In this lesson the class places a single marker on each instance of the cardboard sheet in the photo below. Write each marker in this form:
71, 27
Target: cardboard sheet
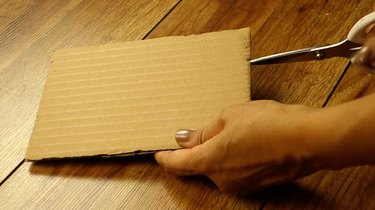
131, 97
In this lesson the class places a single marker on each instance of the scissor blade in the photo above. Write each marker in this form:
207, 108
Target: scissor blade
342, 49
286, 57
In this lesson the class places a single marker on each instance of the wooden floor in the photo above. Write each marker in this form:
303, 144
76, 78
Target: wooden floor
31, 29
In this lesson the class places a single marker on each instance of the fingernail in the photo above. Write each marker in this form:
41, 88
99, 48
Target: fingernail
183, 135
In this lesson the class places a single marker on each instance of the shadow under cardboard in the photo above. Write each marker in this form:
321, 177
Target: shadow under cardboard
93, 167
145, 168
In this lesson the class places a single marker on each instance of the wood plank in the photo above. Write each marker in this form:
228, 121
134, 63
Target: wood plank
194, 17
306, 20
131, 183
297, 25
36, 28
140, 183
10, 10
350, 188
355, 84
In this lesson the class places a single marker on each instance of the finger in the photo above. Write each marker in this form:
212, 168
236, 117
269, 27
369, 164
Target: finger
188, 138
366, 56
182, 162
370, 45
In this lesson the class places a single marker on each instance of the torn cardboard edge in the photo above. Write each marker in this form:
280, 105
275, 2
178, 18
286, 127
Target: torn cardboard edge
78, 116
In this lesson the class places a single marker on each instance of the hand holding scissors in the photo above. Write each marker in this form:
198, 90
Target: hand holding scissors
347, 48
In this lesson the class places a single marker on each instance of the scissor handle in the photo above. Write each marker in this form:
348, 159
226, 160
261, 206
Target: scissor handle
358, 33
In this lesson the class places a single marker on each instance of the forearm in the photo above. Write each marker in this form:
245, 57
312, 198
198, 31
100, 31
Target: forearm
350, 128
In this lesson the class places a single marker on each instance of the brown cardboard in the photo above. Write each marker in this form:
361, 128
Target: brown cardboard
131, 97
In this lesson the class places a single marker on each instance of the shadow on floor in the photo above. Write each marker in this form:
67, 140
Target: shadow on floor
182, 190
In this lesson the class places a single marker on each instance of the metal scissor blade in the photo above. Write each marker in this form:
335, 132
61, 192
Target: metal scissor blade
341, 49
286, 57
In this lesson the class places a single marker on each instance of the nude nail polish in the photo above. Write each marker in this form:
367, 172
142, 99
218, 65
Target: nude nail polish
183, 135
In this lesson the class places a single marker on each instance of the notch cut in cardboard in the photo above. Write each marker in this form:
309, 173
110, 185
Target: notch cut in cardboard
132, 97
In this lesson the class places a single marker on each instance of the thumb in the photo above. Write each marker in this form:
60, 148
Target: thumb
180, 162
188, 138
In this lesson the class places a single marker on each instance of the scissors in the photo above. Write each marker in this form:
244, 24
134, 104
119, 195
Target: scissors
346, 48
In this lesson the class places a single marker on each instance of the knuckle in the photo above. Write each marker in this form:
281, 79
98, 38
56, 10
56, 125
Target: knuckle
270, 103
199, 136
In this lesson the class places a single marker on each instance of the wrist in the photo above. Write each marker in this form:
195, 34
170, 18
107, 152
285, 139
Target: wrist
325, 131
313, 138
338, 138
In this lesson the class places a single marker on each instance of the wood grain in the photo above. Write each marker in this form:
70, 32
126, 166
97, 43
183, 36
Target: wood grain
296, 25
31, 30
131, 183
150, 186
355, 84
139, 183
194, 17
350, 188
